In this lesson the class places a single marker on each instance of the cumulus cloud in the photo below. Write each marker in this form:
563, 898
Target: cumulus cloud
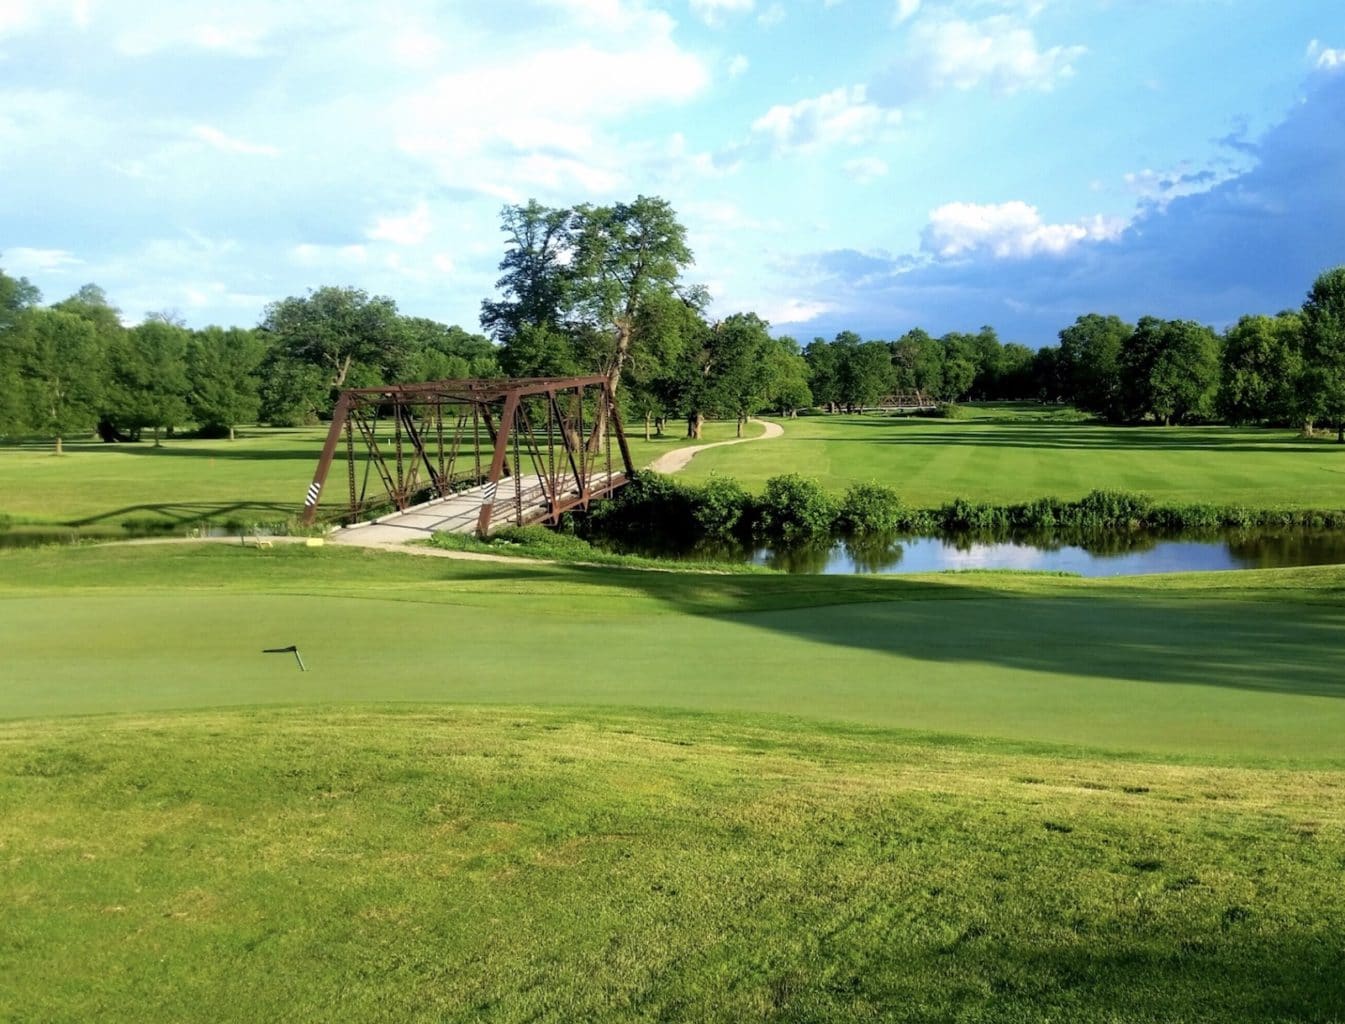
407, 229
840, 116
1012, 230
998, 52
21, 260
738, 66
906, 10
1324, 58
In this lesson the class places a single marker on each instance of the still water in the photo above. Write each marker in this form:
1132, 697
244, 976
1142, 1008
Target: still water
1108, 555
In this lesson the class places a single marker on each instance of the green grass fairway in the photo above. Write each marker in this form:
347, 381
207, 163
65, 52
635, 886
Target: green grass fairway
1243, 666
522, 792
458, 864
261, 477
1004, 458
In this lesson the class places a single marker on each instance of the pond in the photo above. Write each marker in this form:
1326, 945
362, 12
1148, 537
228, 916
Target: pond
1130, 554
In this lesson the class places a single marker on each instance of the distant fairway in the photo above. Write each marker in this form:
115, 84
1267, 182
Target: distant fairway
261, 477
1002, 458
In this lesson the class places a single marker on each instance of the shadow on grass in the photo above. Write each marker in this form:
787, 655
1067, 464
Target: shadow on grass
190, 513
1270, 643
1220, 976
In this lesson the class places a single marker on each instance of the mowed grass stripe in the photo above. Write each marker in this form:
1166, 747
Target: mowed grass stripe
1000, 459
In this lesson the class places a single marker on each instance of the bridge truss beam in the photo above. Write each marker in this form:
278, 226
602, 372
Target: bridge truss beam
529, 449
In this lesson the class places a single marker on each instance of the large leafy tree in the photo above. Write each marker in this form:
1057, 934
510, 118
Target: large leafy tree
61, 372
344, 332
223, 387
738, 346
1090, 352
441, 352
151, 375
624, 256
786, 376
1169, 370
866, 373
667, 324
1262, 369
91, 304
16, 295
917, 363
535, 281
824, 379
1324, 350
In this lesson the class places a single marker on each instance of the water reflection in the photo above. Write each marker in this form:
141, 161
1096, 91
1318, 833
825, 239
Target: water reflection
1099, 554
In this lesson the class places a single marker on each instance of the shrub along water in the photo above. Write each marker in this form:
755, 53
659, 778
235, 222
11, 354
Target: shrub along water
657, 509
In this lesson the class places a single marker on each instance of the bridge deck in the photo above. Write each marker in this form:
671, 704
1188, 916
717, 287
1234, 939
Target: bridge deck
460, 512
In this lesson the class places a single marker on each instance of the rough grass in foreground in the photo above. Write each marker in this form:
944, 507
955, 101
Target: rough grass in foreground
523, 864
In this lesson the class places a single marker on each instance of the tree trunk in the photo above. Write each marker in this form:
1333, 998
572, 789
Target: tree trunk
59, 449
694, 423
156, 436
741, 420
231, 432
658, 426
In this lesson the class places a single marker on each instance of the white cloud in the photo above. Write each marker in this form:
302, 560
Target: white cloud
738, 66
713, 11
865, 169
1012, 230
408, 229
1324, 58
20, 260
228, 144
959, 54
778, 312
772, 15
1159, 188
906, 9
840, 116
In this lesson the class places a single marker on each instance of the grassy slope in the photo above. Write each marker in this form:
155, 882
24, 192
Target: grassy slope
431, 864
1001, 459
1242, 666
261, 477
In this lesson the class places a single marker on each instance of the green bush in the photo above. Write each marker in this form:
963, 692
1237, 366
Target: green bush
871, 508
720, 506
794, 508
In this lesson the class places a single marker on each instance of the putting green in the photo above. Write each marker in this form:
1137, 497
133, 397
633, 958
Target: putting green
1241, 666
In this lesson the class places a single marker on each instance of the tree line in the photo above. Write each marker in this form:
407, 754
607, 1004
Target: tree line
72, 368
601, 289
1287, 369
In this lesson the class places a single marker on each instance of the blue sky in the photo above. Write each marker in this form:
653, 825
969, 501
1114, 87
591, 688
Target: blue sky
838, 164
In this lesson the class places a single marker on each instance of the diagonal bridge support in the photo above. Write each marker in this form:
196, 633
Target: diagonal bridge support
472, 456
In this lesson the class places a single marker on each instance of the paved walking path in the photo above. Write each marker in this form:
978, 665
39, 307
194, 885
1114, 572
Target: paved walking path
679, 458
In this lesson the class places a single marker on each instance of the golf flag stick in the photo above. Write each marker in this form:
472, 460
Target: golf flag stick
286, 650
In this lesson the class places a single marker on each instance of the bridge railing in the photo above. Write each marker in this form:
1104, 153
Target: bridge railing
531, 448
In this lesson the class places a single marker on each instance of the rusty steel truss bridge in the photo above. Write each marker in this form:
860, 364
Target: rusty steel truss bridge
473, 456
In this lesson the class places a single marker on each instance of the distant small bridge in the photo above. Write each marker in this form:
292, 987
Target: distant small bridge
909, 401
472, 456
